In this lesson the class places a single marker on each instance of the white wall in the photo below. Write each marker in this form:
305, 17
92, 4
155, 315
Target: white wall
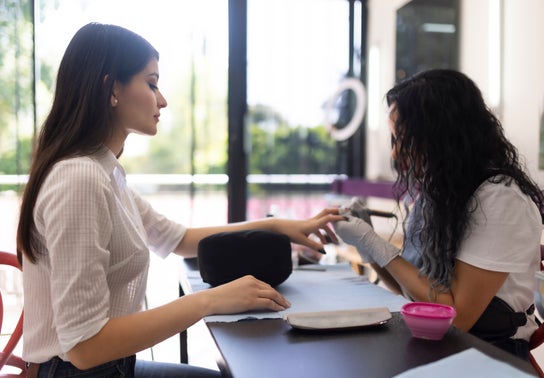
381, 38
521, 75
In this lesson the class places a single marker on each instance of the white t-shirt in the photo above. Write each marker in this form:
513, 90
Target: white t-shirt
504, 236
94, 238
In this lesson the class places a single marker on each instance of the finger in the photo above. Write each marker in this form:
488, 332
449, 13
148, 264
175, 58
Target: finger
349, 218
326, 212
321, 236
344, 209
331, 218
330, 233
315, 245
274, 300
267, 291
268, 304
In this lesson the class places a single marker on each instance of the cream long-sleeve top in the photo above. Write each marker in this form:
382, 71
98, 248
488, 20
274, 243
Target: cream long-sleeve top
94, 237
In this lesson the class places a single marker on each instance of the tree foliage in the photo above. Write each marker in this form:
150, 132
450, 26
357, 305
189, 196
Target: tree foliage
279, 148
16, 86
195, 139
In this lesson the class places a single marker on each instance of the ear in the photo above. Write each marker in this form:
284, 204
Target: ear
113, 97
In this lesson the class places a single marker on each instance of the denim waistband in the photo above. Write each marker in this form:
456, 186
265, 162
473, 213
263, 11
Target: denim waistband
56, 367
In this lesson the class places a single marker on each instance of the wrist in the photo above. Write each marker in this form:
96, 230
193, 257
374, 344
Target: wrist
204, 305
380, 251
395, 253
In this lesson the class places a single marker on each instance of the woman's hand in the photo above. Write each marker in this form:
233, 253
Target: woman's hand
370, 245
244, 294
299, 231
132, 333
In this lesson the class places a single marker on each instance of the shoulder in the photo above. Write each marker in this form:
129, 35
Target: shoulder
76, 191
82, 170
77, 178
505, 200
504, 231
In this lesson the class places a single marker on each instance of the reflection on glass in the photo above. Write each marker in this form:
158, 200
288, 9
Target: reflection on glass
16, 88
193, 47
298, 52
427, 36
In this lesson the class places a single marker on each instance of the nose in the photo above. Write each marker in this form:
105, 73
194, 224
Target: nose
161, 101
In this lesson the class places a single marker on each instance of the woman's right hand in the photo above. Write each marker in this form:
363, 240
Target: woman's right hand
244, 294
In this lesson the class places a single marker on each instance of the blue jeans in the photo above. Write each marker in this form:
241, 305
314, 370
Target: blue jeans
153, 369
124, 368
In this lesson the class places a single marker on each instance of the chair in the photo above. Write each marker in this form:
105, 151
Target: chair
538, 296
6, 356
537, 338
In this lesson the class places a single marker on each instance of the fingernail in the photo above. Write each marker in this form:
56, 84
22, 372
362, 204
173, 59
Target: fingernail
322, 251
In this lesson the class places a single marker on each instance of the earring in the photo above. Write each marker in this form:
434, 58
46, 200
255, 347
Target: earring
114, 101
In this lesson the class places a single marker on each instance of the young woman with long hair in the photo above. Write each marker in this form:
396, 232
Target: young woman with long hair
84, 237
472, 238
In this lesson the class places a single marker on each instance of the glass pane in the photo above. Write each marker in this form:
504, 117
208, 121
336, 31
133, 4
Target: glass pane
427, 36
16, 131
193, 47
298, 52
180, 168
16, 110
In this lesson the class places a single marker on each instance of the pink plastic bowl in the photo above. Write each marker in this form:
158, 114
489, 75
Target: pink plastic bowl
428, 320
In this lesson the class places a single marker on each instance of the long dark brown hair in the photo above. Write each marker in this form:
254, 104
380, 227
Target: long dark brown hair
80, 120
448, 143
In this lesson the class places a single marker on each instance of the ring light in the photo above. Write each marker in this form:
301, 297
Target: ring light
358, 89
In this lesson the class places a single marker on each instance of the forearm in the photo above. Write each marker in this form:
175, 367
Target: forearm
298, 231
387, 279
188, 246
417, 286
127, 335
468, 302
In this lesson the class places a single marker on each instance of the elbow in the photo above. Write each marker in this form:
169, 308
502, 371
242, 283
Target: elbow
463, 324
461, 327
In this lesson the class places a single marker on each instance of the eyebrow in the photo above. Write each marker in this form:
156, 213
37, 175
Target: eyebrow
154, 74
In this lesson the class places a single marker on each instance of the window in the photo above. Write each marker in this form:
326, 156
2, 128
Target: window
17, 109
427, 36
298, 52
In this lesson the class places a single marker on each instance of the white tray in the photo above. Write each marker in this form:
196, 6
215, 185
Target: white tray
341, 319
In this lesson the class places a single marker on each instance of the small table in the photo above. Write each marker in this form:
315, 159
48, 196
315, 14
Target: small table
270, 348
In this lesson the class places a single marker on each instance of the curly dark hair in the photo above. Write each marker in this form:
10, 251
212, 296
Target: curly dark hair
448, 143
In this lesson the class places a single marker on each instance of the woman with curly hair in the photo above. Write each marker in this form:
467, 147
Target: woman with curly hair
472, 238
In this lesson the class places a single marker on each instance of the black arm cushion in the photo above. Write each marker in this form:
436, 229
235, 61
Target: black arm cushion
226, 256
